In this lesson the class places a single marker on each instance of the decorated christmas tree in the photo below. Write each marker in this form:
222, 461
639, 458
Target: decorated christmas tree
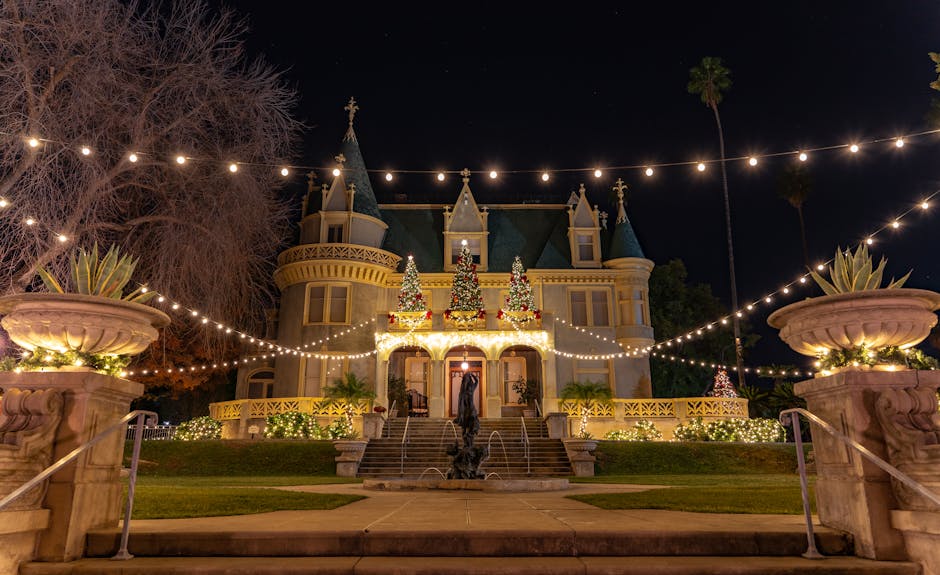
723, 386
520, 301
410, 298
465, 295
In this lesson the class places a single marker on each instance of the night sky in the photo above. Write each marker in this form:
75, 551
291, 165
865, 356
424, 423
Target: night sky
495, 86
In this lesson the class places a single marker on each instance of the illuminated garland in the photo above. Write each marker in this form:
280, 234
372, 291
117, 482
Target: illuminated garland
41, 359
892, 357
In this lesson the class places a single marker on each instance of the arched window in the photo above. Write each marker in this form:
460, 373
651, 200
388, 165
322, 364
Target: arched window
261, 384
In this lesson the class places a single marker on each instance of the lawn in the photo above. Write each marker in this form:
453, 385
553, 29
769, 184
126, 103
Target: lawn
742, 493
183, 501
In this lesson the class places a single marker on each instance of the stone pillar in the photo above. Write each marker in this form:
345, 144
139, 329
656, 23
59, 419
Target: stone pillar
557, 423
437, 403
494, 403
852, 494
86, 494
372, 425
381, 382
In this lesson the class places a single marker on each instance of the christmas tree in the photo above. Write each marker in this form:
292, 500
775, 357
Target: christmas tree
520, 291
410, 298
466, 295
723, 386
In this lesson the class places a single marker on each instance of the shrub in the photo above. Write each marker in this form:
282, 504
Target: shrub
340, 429
199, 429
642, 430
292, 425
761, 430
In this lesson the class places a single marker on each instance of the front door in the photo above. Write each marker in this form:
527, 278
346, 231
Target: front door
455, 375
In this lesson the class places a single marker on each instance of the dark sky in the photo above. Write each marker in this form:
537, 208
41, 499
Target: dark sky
483, 85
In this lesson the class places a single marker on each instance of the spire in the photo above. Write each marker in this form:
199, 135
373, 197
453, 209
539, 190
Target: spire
354, 168
352, 108
624, 243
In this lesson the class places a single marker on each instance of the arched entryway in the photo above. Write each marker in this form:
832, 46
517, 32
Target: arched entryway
409, 381
457, 362
520, 380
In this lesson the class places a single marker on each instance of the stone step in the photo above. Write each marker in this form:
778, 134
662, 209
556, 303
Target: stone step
352, 565
465, 543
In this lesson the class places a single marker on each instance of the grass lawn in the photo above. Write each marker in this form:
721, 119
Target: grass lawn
182, 501
241, 480
764, 493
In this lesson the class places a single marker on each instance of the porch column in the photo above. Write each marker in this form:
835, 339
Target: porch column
494, 403
381, 382
437, 404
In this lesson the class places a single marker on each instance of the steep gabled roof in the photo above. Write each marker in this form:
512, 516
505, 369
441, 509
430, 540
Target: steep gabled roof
355, 173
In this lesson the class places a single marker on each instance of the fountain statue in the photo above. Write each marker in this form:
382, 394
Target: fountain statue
467, 459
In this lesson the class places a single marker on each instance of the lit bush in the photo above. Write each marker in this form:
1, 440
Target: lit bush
293, 425
341, 429
198, 429
642, 430
759, 430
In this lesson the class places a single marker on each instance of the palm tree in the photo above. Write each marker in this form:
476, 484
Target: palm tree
795, 186
709, 80
586, 395
348, 391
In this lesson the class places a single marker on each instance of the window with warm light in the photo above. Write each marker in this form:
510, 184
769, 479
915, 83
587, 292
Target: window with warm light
328, 303
320, 372
585, 247
261, 384
589, 307
473, 244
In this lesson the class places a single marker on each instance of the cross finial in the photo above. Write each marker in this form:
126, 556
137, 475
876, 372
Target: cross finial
465, 173
340, 159
620, 188
581, 190
352, 108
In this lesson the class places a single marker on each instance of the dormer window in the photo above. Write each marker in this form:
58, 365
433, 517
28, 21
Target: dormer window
585, 247
472, 243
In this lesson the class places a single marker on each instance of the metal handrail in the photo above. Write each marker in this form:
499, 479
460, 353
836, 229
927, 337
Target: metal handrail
388, 426
525, 444
794, 421
141, 417
404, 445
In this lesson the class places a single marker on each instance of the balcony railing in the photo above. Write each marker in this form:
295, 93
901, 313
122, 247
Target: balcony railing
261, 408
339, 252
676, 408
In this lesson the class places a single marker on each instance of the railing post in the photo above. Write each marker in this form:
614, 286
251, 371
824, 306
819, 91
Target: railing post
122, 553
811, 551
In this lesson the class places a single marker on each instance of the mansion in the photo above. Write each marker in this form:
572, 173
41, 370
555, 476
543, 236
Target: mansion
341, 282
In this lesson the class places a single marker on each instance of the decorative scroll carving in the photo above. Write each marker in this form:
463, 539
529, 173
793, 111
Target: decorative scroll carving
28, 423
911, 426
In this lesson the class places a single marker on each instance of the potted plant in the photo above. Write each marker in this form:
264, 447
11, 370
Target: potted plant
90, 314
586, 395
857, 317
528, 392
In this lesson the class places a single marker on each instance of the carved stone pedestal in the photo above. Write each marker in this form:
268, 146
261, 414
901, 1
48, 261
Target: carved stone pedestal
350, 455
581, 455
87, 493
853, 494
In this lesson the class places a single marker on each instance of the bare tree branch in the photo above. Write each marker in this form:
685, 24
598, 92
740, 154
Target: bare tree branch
159, 81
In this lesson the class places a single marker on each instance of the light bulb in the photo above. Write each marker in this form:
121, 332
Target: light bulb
388, 177
285, 172
63, 238
899, 142
86, 151
853, 148
820, 267
870, 241
545, 176
440, 176
493, 174
803, 156
132, 158
181, 160
336, 172
4, 203
752, 161
233, 167
598, 173
33, 143
700, 167
30, 221
924, 205
464, 365
649, 171
895, 224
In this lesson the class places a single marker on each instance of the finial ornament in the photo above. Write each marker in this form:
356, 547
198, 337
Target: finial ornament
620, 188
340, 159
352, 108
581, 189
466, 175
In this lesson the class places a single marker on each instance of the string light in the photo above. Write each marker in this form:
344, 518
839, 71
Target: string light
3, 203
899, 143
803, 156
493, 174
853, 148
752, 161
181, 160
700, 167
336, 172
285, 172
598, 173
388, 176
648, 172
62, 238
33, 143
85, 150
440, 176
545, 176
233, 167
132, 158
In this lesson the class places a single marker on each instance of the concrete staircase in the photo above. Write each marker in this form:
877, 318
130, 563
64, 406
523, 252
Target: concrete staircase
428, 440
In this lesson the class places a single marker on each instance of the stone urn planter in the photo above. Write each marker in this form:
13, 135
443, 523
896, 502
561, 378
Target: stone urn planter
581, 455
92, 324
875, 318
350, 454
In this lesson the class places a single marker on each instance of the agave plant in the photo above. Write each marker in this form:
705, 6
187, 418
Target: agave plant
855, 272
105, 277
